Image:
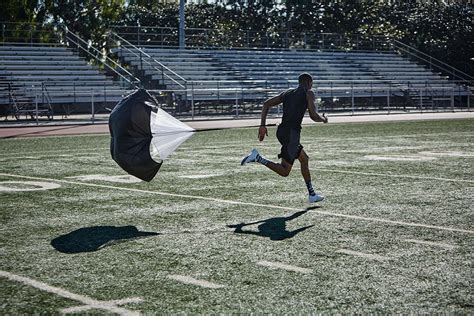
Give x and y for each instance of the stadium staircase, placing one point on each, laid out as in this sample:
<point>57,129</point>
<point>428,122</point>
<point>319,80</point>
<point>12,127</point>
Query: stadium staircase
<point>56,78</point>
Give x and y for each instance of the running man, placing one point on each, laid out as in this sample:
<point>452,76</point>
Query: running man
<point>295,102</point>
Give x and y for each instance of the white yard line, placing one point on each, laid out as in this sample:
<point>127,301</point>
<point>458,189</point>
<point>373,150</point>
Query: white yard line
<point>79,155</point>
<point>189,280</point>
<point>95,304</point>
<point>278,265</point>
<point>394,175</point>
<point>75,150</point>
<point>362,255</point>
<point>196,197</point>
<point>83,308</point>
<point>431,243</point>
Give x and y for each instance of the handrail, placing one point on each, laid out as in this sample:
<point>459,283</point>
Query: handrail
<point>406,48</point>
<point>132,83</point>
<point>48,97</point>
<point>152,58</point>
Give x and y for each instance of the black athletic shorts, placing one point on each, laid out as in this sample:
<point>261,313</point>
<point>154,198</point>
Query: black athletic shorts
<point>289,139</point>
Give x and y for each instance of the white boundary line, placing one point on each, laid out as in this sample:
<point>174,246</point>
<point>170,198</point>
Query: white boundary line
<point>189,280</point>
<point>52,152</point>
<point>278,265</point>
<point>394,175</point>
<point>363,255</point>
<point>96,304</point>
<point>431,243</point>
<point>370,219</point>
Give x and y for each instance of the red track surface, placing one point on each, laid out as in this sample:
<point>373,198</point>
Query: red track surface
<point>80,129</point>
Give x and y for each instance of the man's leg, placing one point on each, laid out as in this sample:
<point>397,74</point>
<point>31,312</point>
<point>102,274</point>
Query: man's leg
<point>283,168</point>
<point>304,161</point>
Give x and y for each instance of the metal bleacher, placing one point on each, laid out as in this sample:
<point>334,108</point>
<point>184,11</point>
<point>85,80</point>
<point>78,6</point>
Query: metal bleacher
<point>55,78</point>
<point>255,74</point>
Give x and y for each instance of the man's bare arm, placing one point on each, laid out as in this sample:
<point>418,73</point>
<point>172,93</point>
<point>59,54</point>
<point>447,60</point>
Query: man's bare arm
<point>262,131</point>
<point>266,107</point>
<point>313,114</point>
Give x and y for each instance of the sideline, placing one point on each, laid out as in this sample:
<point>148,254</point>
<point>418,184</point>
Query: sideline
<point>196,197</point>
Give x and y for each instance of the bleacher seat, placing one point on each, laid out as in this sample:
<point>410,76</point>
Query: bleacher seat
<point>335,73</point>
<point>56,73</point>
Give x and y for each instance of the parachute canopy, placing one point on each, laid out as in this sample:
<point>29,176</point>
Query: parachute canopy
<point>143,135</point>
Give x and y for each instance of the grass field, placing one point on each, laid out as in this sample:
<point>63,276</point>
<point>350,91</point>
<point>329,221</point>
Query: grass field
<point>394,235</point>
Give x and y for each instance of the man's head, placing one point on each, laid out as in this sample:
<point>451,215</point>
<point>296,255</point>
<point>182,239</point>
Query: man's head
<point>305,80</point>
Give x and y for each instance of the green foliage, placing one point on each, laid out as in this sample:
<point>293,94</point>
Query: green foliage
<point>445,31</point>
<point>90,19</point>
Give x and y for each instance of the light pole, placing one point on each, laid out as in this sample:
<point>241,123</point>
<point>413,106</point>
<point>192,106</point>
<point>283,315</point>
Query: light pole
<point>181,24</point>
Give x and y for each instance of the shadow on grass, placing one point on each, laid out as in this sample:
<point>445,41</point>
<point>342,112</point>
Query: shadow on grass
<point>90,239</point>
<point>273,228</point>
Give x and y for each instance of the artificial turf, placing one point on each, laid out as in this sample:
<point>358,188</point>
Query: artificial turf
<point>380,180</point>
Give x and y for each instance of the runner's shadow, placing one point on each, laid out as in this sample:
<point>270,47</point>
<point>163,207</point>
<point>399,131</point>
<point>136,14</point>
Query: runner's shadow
<point>273,228</point>
<point>90,239</point>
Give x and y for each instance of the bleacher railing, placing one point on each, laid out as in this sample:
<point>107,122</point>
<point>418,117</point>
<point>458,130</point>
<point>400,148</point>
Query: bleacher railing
<point>128,79</point>
<point>121,44</point>
<point>432,63</point>
<point>30,33</point>
<point>237,102</point>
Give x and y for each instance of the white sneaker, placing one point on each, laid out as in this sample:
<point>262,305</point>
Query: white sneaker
<point>252,157</point>
<point>315,198</point>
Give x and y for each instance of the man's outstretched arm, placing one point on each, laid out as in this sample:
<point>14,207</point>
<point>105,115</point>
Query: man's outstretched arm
<point>313,114</point>
<point>262,131</point>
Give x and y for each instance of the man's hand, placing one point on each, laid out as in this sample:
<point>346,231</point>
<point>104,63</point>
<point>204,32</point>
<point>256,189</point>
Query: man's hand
<point>325,118</point>
<point>262,131</point>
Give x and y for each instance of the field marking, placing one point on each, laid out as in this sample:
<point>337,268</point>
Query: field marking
<point>363,255</point>
<point>459,154</point>
<point>38,186</point>
<point>93,303</point>
<point>431,243</point>
<point>83,308</point>
<point>394,175</point>
<point>278,265</point>
<point>399,158</point>
<point>196,197</point>
<point>76,150</point>
<point>189,280</point>
<point>102,177</point>
<point>200,176</point>
<point>40,157</point>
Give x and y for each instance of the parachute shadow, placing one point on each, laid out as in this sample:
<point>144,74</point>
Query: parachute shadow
<point>94,238</point>
<point>273,228</point>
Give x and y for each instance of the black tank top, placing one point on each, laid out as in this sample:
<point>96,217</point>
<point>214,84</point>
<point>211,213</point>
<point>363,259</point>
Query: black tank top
<point>294,107</point>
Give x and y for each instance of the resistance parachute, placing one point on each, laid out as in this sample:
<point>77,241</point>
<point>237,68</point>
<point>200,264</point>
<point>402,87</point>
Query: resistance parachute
<point>144,135</point>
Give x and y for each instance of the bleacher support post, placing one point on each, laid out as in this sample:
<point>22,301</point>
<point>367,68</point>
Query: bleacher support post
<point>192,100</point>
<point>92,107</point>
<point>352,98</point>
<point>388,100</point>
<point>468,98</point>
<point>452,99</point>
<point>218,95</point>
<point>421,99</point>
<point>237,103</point>
<point>36,108</point>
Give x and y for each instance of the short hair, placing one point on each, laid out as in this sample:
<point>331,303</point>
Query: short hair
<point>305,78</point>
